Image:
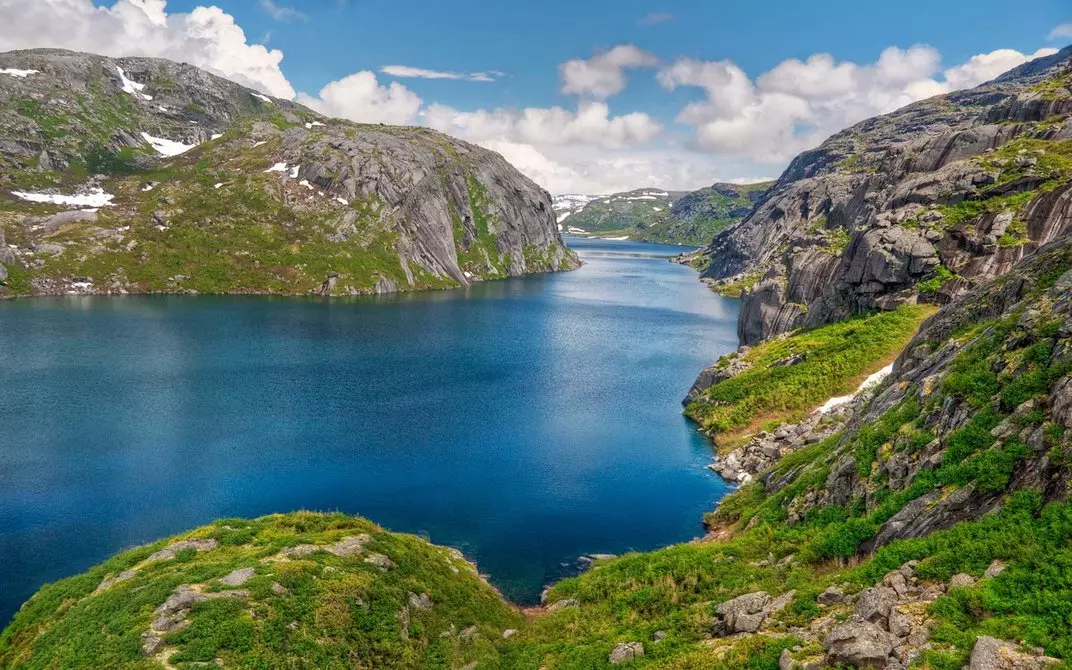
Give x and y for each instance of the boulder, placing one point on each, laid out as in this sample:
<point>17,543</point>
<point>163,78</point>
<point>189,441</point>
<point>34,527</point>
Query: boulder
<point>860,644</point>
<point>875,603</point>
<point>743,614</point>
<point>238,577</point>
<point>625,651</point>
<point>992,654</point>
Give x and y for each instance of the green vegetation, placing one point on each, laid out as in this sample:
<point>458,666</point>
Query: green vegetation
<point>825,362</point>
<point>315,609</point>
<point>935,283</point>
<point>735,287</point>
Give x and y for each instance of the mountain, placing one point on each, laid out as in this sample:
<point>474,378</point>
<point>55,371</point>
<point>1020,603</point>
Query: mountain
<point>920,204</point>
<point>143,175</point>
<point>655,215</point>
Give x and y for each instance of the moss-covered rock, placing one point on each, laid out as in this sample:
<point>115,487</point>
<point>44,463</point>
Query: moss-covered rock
<point>294,590</point>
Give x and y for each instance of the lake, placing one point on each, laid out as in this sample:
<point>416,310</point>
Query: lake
<point>526,421</point>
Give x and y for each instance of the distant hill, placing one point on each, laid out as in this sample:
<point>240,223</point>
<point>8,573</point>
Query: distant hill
<point>656,215</point>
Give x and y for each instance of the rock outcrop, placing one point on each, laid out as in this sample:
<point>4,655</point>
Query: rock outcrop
<point>922,203</point>
<point>289,201</point>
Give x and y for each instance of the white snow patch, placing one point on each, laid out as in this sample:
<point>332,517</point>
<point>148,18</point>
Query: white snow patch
<point>262,97</point>
<point>871,381</point>
<point>306,184</point>
<point>162,108</point>
<point>14,72</point>
<point>278,167</point>
<point>217,136</point>
<point>563,216</point>
<point>657,209</point>
<point>642,197</point>
<point>147,187</point>
<point>95,197</point>
<point>257,144</point>
<point>294,171</point>
<point>132,87</point>
<point>313,124</point>
<point>218,185</point>
<point>166,147</point>
<point>342,201</point>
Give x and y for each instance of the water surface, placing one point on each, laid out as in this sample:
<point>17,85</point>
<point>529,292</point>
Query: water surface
<point>525,422</point>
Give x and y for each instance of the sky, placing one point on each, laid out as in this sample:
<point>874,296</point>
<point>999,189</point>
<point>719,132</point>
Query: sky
<point>584,96</point>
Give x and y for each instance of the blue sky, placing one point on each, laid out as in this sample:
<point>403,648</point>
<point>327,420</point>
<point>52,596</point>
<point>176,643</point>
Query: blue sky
<point>672,93</point>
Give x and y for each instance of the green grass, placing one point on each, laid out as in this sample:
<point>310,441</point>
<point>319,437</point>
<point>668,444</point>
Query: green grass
<point>335,612</point>
<point>836,359</point>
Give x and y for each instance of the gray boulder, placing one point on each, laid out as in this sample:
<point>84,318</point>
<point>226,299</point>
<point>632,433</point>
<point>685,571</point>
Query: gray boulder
<point>859,644</point>
<point>992,654</point>
<point>625,651</point>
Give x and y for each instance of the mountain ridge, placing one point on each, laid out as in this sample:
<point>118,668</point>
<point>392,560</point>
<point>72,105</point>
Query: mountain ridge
<point>292,201</point>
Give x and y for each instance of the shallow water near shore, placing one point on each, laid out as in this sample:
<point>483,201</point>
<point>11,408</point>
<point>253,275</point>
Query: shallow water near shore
<point>526,422</point>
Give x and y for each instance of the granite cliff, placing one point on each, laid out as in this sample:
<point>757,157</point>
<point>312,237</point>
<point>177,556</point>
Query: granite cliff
<point>143,175</point>
<point>921,204</point>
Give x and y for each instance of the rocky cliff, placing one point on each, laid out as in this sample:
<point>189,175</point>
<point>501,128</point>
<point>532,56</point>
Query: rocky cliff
<point>143,175</point>
<point>920,204</point>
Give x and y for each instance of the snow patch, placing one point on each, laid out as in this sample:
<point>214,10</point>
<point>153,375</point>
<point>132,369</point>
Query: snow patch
<point>166,147</point>
<point>218,185</point>
<point>132,87</point>
<point>147,187</point>
<point>562,217</point>
<point>342,201</point>
<point>870,382</point>
<point>217,136</point>
<point>95,197</point>
<point>278,167</point>
<point>257,144</point>
<point>306,184</point>
<point>294,171</point>
<point>162,108</point>
<point>313,124</point>
<point>657,209</point>
<point>15,72</point>
<point>262,97</point>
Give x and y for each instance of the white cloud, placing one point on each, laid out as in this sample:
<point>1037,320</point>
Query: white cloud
<point>591,124</point>
<point>655,18</point>
<point>359,97</point>
<point>280,13</point>
<point>1063,31</point>
<point>984,67</point>
<point>797,104</point>
<point>206,36</point>
<point>603,75</point>
<point>421,73</point>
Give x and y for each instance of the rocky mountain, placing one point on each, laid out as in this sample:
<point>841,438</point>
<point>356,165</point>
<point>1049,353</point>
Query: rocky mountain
<point>144,175</point>
<point>920,204</point>
<point>676,217</point>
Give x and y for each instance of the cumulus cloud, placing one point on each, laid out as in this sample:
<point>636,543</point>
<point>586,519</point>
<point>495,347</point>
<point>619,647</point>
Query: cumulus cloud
<point>421,73</point>
<point>797,104</point>
<point>360,97</point>
<point>603,75</point>
<point>1063,31</point>
<point>206,36</point>
<point>592,124</point>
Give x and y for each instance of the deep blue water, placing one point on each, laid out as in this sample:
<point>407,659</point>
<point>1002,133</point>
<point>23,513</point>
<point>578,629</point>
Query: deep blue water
<point>525,422</point>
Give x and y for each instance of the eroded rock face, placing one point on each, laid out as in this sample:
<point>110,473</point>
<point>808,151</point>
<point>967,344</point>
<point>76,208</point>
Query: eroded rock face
<point>858,223</point>
<point>860,644</point>
<point>428,210</point>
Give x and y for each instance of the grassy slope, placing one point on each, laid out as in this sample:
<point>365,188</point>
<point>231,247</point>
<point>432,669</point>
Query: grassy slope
<point>715,215</point>
<point>335,612</point>
<point>836,360</point>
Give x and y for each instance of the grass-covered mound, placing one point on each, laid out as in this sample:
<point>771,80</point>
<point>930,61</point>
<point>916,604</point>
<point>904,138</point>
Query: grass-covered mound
<point>285,591</point>
<point>790,376</point>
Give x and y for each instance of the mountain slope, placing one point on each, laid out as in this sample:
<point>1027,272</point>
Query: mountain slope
<point>199,184</point>
<point>654,215</point>
<point>922,203</point>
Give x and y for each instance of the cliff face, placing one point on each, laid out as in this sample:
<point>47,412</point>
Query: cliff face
<point>922,203</point>
<point>139,175</point>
